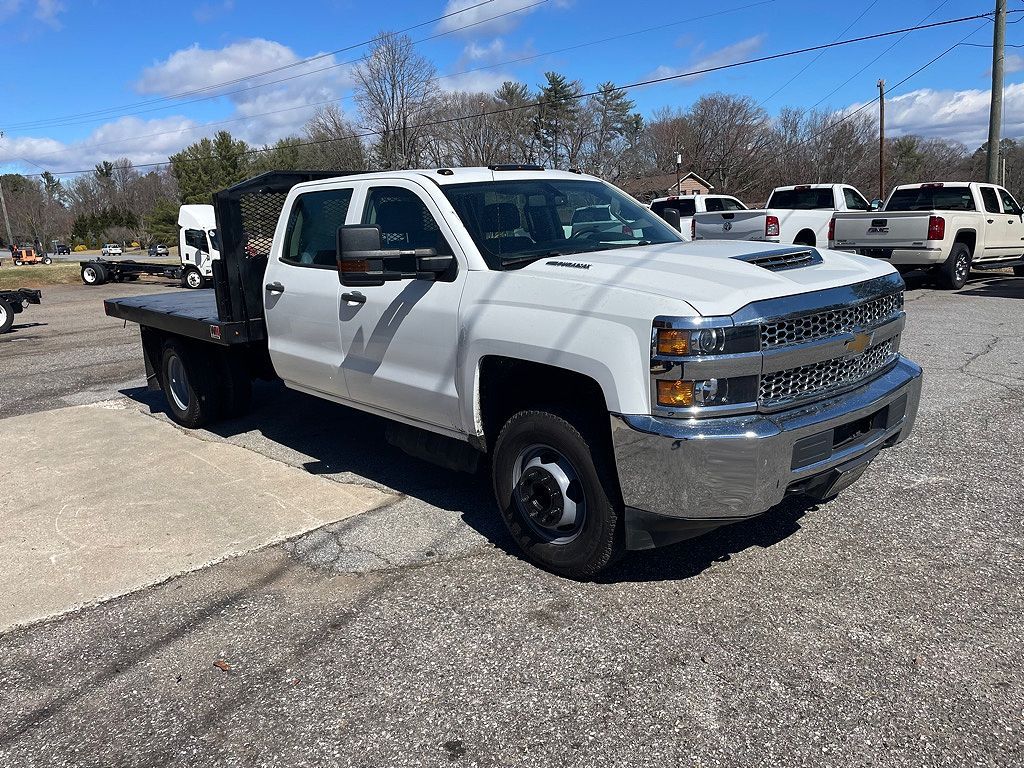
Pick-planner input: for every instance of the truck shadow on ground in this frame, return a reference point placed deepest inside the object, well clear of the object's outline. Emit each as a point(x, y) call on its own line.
point(995, 288)
point(339, 441)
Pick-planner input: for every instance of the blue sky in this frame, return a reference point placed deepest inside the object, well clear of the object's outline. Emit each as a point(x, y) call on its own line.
point(66, 58)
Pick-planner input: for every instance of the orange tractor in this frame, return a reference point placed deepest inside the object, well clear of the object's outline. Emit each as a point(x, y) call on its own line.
point(27, 254)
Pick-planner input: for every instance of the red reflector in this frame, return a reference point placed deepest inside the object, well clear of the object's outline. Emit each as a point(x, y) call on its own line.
point(936, 227)
point(627, 230)
point(831, 229)
point(771, 226)
point(214, 331)
point(361, 265)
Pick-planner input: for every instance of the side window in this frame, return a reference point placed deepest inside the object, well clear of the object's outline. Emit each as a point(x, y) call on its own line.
point(405, 221)
point(732, 204)
point(714, 204)
point(196, 238)
point(855, 202)
point(1009, 204)
point(988, 195)
point(311, 238)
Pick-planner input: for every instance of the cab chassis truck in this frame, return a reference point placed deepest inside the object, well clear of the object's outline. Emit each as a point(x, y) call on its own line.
point(629, 389)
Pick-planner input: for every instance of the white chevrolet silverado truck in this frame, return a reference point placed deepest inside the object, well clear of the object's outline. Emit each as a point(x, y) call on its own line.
point(688, 205)
point(627, 389)
point(797, 214)
point(947, 227)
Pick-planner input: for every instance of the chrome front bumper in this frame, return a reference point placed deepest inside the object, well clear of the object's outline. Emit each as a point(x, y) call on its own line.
point(725, 469)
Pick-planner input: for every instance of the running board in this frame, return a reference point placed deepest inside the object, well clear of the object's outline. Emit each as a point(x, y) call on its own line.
point(984, 265)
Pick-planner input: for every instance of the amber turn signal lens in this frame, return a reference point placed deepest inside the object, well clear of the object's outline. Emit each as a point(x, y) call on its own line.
point(673, 342)
point(675, 393)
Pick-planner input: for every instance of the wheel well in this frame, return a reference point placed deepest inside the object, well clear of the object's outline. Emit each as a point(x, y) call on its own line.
point(806, 237)
point(967, 236)
point(508, 385)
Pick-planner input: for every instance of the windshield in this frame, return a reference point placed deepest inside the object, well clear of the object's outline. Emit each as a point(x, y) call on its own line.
point(931, 199)
point(515, 222)
point(803, 199)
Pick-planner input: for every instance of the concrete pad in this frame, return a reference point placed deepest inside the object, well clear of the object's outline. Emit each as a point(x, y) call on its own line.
point(102, 500)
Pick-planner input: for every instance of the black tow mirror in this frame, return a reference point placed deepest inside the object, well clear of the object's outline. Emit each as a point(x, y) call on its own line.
point(362, 261)
point(671, 215)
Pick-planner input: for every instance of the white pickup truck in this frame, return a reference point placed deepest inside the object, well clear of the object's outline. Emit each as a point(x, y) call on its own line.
point(628, 389)
point(948, 227)
point(688, 205)
point(797, 214)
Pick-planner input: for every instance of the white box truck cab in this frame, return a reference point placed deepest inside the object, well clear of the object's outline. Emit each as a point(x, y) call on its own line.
point(197, 244)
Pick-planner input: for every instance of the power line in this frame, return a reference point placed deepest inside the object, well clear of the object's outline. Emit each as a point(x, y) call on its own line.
point(215, 86)
point(638, 84)
point(442, 77)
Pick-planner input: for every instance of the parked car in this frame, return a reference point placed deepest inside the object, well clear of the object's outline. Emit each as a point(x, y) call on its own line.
point(688, 205)
point(627, 389)
point(949, 227)
point(111, 249)
point(795, 214)
point(158, 250)
point(60, 248)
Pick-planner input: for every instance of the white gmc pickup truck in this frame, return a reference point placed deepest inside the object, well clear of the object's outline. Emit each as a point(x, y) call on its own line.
point(628, 389)
point(797, 214)
point(948, 227)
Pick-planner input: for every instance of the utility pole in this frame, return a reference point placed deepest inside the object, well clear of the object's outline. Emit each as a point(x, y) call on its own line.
point(679, 166)
point(3, 206)
point(995, 115)
point(881, 139)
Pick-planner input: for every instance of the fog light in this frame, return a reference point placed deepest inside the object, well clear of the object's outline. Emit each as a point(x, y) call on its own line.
point(675, 393)
point(673, 342)
point(709, 391)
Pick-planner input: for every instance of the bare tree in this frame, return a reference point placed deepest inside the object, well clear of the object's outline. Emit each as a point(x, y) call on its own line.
point(394, 88)
point(337, 144)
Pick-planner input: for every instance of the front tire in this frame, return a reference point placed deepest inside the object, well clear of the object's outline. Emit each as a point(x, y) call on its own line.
point(954, 272)
point(94, 274)
point(47, 260)
point(193, 278)
point(556, 487)
point(192, 395)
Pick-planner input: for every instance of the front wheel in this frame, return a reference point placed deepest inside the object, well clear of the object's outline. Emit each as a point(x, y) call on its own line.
point(193, 278)
point(555, 486)
point(18, 262)
point(94, 274)
point(953, 273)
point(47, 260)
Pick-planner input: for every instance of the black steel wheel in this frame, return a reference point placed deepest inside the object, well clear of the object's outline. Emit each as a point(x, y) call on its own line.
point(193, 398)
point(556, 487)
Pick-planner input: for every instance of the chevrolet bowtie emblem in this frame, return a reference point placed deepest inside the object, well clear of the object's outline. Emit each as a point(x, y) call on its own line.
point(858, 343)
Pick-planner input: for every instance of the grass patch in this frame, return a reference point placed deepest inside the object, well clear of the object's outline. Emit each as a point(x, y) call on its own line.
point(38, 275)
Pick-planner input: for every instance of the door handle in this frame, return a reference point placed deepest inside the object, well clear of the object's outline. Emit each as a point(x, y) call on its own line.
point(991, 221)
point(355, 297)
point(274, 287)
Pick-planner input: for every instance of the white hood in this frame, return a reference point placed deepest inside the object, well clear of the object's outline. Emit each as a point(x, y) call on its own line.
point(710, 276)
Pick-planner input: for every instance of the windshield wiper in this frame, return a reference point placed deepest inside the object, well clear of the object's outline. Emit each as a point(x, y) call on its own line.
point(532, 257)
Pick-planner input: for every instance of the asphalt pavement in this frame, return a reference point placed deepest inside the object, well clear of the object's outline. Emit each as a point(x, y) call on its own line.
point(883, 628)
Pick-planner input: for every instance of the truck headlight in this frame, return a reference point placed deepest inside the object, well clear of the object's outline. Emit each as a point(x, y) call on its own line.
point(700, 342)
point(706, 393)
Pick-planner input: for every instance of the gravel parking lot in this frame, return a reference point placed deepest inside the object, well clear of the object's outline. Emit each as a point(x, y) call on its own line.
point(882, 628)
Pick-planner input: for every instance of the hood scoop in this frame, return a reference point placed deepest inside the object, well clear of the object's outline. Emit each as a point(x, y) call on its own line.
point(783, 258)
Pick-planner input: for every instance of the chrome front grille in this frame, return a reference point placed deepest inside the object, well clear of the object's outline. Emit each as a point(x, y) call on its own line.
point(818, 379)
point(821, 325)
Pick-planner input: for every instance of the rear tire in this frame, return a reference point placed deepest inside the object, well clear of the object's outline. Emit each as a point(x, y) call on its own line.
point(954, 272)
point(94, 274)
point(193, 397)
point(546, 469)
point(47, 260)
point(6, 316)
point(18, 262)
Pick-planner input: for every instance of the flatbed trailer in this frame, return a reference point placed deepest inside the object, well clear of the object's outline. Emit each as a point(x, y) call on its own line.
point(100, 271)
point(14, 302)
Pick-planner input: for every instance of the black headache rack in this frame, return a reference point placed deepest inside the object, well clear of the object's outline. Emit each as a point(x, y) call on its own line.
point(247, 215)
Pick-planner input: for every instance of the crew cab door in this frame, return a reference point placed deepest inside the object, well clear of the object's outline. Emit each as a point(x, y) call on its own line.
point(1013, 234)
point(996, 230)
point(302, 296)
point(401, 339)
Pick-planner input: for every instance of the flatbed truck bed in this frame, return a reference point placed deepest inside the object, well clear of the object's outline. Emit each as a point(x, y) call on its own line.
point(191, 314)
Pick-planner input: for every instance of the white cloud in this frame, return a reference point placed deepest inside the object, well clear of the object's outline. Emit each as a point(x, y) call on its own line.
point(475, 82)
point(141, 141)
point(1014, 62)
point(47, 12)
point(729, 54)
point(8, 8)
point(303, 84)
point(494, 17)
point(957, 115)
